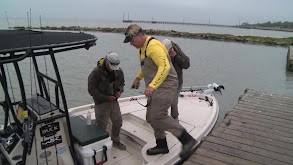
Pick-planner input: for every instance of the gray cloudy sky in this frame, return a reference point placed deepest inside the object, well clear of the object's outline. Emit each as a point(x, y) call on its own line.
point(230, 12)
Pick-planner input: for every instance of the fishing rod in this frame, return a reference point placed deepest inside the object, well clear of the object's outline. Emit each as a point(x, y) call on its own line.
point(7, 20)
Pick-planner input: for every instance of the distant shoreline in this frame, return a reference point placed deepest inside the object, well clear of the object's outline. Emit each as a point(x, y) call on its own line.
point(248, 26)
point(270, 41)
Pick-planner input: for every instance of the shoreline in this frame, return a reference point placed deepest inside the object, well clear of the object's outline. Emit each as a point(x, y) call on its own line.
point(269, 41)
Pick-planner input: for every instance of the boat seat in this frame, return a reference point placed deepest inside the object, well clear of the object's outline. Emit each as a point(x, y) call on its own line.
point(86, 134)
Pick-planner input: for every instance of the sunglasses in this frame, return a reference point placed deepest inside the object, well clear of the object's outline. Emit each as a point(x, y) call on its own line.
point(114, 63)
point(128, 37)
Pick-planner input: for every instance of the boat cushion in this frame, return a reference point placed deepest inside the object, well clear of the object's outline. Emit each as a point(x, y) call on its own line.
point(86, 134)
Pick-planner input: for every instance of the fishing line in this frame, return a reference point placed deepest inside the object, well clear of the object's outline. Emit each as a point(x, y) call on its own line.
point(54, 63)
point(34, 71)
point(7, 20)
point(12, 91)
point(44, 88)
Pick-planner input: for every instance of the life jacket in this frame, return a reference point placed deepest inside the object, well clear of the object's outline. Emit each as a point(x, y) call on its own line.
point(100, 62)
point(176, 47)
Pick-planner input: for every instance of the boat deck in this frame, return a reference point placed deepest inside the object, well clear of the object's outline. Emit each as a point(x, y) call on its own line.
point(199, 113)
point(259, 130)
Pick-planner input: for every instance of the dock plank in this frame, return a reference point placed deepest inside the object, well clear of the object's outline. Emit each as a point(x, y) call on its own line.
point(258, 130)
point(264, 128)
point(260, 116)
point(261, 133)
point(211, 154)
point(201, 159)
point(268, 109)
point(270, 100)
point(264, 112)
point(243, 116)
point(246, 135)
point(260, 123)
point(243, 151)
point(252, 142)
point(282, 107)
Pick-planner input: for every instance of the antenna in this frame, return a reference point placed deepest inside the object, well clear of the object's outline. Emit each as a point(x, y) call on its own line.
point(7, 20)
point(28, 20)
point(41, 22)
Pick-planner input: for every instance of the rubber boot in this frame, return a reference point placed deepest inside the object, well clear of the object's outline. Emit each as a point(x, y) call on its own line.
point(161, 148)
point(119, 145)
point(189, 145)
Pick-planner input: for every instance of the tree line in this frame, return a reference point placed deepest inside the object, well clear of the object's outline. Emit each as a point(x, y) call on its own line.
point(285, 24)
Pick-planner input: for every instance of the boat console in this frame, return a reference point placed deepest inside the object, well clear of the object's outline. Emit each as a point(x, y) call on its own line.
point(36, 128)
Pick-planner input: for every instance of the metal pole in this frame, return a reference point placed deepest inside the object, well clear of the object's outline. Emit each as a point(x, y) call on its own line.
point(64, 100)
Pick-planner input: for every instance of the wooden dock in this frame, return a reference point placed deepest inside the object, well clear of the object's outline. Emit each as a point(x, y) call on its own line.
point(259, 130)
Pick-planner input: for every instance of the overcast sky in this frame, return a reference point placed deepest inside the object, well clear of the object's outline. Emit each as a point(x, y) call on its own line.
point(230, 12)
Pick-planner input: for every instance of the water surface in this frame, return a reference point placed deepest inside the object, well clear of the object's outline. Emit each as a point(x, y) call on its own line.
point(237, 66)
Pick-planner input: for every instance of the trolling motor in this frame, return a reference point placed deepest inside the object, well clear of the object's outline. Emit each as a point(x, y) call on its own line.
point(216, 87)
point(204, 89)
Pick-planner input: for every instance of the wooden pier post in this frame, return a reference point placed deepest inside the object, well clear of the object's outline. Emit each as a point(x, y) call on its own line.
point(290, 59)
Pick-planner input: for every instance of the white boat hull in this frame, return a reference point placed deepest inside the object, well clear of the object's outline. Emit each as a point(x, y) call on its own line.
point(198, 113)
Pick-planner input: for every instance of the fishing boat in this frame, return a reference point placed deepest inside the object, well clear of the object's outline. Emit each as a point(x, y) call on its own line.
point(198, 109)
point(40, 129)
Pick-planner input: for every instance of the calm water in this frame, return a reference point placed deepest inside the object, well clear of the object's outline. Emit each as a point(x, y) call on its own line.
point(237, 66)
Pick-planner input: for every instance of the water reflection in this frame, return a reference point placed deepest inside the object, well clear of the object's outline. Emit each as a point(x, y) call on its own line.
point(289, 76)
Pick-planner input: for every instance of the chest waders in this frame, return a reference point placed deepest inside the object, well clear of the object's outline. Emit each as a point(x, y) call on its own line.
point(162, 97)
point(157, 111)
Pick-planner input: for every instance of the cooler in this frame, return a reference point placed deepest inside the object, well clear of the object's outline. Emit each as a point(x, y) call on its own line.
point(92, 144)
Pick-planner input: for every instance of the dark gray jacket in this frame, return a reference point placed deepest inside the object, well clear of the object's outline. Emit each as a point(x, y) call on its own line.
point(100, 85)
point(180, 61)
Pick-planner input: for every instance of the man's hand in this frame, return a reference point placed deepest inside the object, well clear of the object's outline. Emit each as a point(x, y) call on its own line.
point(148, 91)
point(111, 98)
point(118, 94)
point(135, 83)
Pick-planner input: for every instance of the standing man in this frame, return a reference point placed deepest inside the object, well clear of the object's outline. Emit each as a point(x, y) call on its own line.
point(180, 61)
point(161, 87)
point(105, 84)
